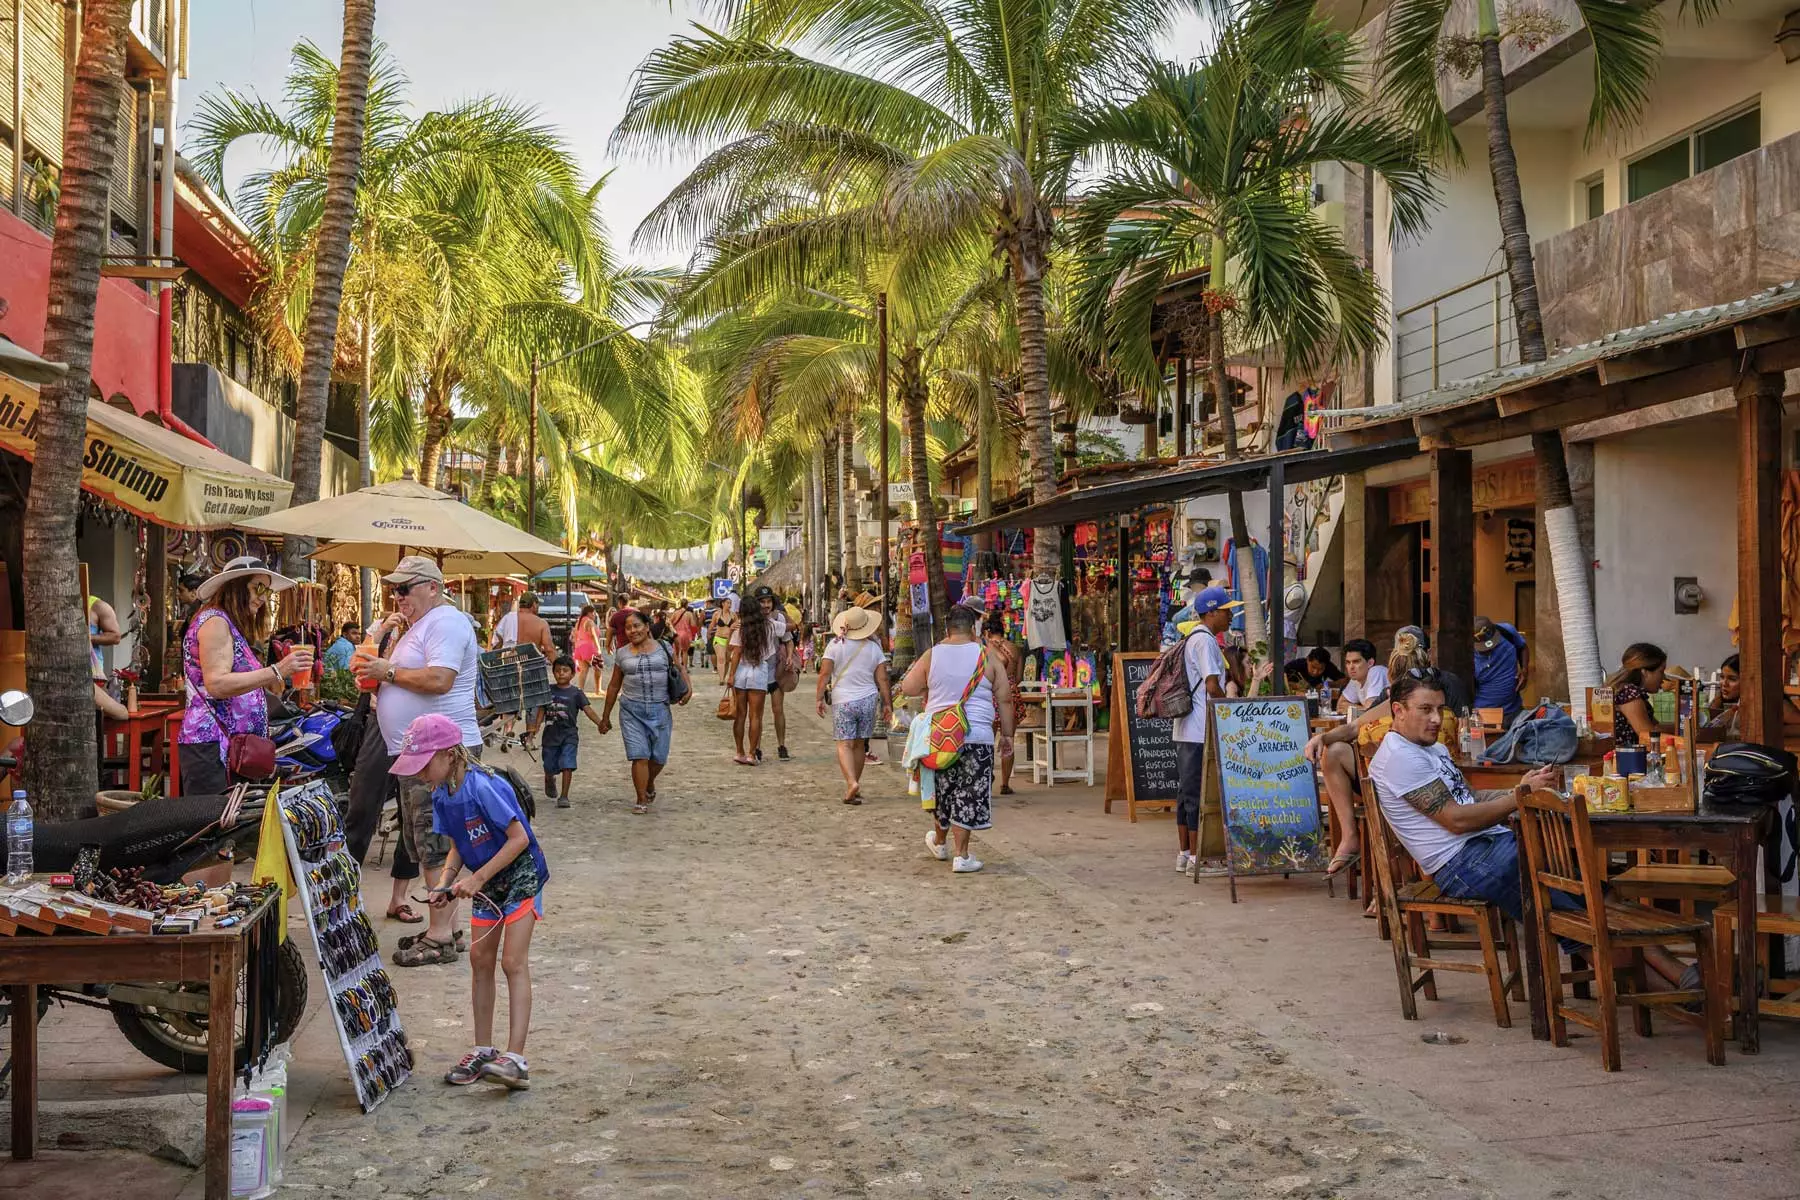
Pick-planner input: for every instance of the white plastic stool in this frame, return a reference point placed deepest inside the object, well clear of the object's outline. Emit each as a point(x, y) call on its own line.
point(1044, 768)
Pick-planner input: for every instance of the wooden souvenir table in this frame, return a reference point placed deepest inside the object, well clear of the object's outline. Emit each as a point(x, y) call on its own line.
point(209, 955)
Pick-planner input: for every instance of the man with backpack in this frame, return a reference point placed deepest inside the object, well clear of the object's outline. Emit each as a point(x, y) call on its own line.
point(1203, 665)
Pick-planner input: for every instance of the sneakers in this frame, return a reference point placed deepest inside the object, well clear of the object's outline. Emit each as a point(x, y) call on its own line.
point(781, 753)
point(550, 787)
point(469, 1069)
point(1183, 862)
point(964, 866)
point(562, 802)
point(507, 1071)
point(939, 850)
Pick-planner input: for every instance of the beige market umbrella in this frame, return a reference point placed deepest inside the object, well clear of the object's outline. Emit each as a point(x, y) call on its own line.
point(378, 526)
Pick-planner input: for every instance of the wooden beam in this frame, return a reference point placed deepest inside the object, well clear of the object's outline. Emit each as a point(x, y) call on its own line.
point(1569, 388)
point(1656, 360)
point(1760, 331)
point(1759, 569)
point(1453, 562)
point(146, 271)
point(1437, 422)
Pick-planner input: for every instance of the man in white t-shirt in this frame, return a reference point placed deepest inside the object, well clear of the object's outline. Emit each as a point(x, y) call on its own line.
point(1205, 664)
point(1459, 837)
point(428, 669)
point(1368, 679)
point(506, 630)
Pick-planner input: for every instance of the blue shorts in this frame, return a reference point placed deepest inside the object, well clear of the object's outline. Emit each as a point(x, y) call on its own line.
point(1487, 868)
point(647, 728)
point(560, 756)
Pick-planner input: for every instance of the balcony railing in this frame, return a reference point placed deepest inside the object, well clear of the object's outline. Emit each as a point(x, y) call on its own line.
point(1453, 335)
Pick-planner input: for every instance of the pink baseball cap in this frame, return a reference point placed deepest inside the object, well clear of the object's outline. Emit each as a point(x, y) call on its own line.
point(429, 733)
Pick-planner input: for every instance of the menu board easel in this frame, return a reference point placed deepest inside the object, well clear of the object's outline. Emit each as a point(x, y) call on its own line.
point(1140, 761)
point(1267, 795)
point(363, 1006)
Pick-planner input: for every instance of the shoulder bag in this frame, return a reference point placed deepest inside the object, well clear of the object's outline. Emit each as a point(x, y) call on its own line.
point(950, 728)
point(678, 684)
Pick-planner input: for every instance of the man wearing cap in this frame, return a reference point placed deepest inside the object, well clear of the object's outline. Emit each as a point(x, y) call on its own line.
point(1205, 666)
point(1198, 580)
point(430, 668)
point(1501, 664)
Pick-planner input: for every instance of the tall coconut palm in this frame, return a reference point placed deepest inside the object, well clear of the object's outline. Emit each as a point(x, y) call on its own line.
point(331, 255)
point(61, 770)
point(971, 93)
point(1210, 164)
point(1418, 42)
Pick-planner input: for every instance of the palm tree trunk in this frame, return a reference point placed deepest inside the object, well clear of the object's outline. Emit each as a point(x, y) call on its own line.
point(1249, 586)
point(834, 507)
point(1029, 252)
point(1569, 553)
point(62, 765)
point(490, 467)
point(847, 494)
point(986, 419)
point(438, 418)
point(912, 399)
point(330, 259)
point(365, 473)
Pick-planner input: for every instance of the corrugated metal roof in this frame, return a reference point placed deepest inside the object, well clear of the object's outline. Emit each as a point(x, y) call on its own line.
point(1671, 327)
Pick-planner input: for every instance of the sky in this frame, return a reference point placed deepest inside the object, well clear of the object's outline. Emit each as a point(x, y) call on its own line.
point(570, 59)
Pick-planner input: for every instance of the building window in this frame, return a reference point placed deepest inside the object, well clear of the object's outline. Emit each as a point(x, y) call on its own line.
point(1593, 192)
point(1699, 151)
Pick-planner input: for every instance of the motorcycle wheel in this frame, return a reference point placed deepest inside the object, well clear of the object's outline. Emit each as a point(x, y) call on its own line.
point(177, 1040)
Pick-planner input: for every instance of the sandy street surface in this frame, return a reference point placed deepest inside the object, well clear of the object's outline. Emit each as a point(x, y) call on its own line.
point(758, 991)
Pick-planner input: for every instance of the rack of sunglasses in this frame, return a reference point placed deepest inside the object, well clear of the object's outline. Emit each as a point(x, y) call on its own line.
point(364, 1006)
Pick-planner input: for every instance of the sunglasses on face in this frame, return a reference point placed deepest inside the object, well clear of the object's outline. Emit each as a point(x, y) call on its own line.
point(401, 589)
point(259, 588)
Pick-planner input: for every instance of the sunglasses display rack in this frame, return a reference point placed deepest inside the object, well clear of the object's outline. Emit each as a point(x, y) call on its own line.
point(364, 1008)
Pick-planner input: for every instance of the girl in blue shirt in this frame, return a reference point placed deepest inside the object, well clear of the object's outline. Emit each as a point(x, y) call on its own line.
point(479, 813)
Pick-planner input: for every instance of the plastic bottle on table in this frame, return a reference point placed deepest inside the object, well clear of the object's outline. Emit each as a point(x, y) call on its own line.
point(18, 839)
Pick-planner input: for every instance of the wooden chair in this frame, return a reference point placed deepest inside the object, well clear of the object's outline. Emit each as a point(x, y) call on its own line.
point(1408, 901)
point(1673, 875)
point(1561, 859)
point(1776, 916)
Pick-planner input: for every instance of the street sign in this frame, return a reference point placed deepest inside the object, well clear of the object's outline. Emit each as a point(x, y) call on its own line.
point(723, 588)
point(900, 493)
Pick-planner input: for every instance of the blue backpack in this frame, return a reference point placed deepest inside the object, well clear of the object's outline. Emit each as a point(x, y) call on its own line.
point(1545, 734)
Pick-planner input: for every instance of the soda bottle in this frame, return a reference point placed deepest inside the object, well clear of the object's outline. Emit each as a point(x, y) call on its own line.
point(366, 652)
point(18, 839)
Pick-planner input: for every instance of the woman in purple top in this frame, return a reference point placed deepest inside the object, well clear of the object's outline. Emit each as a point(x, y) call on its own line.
point(225, 680)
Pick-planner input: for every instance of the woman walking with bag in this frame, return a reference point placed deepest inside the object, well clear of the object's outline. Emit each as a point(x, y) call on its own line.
point(853, 679)
point(747, 668)
point(646, 679)
point(958, 672)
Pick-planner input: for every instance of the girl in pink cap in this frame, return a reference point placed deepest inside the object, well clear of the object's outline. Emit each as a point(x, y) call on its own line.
point(479, 813)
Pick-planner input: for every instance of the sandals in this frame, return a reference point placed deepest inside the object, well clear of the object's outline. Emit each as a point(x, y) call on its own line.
point(1338, 862)
point(639, 809)
point(426, 953)
point(854, 795)
point(744, 761)
point(404, 914)
point(462, 946)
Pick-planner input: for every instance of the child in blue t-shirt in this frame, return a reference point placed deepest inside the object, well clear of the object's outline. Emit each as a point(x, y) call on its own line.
point(479, 813)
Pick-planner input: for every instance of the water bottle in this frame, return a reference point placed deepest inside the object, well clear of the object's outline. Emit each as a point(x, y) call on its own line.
point(18, 839)
point(1325, 696)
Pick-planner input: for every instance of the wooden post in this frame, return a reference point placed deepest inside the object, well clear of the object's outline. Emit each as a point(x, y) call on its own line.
point(1356, 553)
point(1181, 406)
point(1124, 582)
point(1277, 576)
point(1758, 544)
point(25, 1070)
point(156, 578)
point(1453, 562)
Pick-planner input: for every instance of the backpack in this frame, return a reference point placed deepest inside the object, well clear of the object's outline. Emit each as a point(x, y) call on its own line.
point(1546, 734)
point(521, 790)
point(1166, 691)
point(1745, 773)
point(950, 728)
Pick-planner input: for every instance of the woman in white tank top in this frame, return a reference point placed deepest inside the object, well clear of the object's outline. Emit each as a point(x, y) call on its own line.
point(965, 789)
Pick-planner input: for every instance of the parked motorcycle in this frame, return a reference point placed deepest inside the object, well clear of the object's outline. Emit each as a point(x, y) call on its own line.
point(168, 838)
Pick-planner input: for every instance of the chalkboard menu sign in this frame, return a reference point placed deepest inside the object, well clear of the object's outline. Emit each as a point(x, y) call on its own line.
point(1268, 793)
point(1141, 764)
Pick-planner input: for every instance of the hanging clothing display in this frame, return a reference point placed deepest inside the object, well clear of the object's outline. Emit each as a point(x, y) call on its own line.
point(1261, 558)
point(1045, 628)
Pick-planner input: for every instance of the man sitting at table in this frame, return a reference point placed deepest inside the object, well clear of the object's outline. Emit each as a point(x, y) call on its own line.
point(1459, 837)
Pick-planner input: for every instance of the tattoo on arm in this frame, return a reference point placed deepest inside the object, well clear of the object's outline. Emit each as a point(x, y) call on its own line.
point(1486, 794)
point(1429, 798)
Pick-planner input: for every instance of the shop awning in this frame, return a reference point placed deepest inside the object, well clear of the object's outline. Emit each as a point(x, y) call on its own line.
point(147, 470)
point(1185, 483)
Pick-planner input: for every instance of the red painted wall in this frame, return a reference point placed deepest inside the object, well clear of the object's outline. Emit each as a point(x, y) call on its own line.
point(125, 346)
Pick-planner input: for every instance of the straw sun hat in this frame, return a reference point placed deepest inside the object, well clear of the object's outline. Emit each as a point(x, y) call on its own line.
point(856, 624)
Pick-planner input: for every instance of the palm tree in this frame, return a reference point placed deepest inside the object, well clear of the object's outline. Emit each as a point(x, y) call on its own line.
point(970, 95)
point(476, 245)
point(62, 768)
point(331, 254)
point(1417, 45)
point(1210, 165)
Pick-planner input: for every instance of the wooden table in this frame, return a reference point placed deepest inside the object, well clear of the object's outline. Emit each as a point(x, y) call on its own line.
point(144, 731)
point(211, 956)
point(1732, 837)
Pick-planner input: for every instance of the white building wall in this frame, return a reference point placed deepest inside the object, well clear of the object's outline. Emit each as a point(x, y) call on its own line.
point(1665, 504)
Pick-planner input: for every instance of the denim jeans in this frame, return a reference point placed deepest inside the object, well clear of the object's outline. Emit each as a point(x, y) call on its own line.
point(1487, 868)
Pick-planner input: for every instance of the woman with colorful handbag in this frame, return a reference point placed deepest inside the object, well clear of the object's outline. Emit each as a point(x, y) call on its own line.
point(967, 697)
